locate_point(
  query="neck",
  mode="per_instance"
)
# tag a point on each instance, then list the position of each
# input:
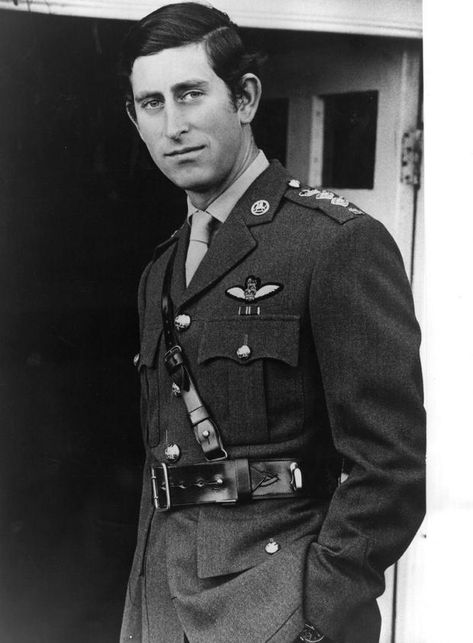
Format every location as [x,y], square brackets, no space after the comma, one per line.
[202,200]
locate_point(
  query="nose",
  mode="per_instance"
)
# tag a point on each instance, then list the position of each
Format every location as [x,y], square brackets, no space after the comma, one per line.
[175,123]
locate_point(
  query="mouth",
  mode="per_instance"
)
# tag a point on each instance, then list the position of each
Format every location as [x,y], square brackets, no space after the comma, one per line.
[183,151]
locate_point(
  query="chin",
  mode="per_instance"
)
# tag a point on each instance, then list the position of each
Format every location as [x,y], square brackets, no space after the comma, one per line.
[194,180]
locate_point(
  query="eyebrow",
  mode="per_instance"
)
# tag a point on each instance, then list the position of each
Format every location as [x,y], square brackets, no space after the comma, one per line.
[192,83]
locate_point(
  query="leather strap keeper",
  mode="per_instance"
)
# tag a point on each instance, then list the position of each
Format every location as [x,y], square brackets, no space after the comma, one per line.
[227,482]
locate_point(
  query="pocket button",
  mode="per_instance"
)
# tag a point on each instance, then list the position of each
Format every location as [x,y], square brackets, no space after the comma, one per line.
[182,322]
[272,546]
[243,353]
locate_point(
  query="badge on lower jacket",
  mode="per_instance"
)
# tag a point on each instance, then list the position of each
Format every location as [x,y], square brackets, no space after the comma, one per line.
[253,291]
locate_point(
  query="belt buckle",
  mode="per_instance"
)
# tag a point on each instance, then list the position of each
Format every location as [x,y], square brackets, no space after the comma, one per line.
[155,488]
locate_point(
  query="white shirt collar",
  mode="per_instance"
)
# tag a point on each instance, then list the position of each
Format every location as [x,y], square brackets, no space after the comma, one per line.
[221,207]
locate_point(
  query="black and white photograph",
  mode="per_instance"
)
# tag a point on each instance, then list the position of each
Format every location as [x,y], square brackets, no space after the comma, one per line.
[233,322]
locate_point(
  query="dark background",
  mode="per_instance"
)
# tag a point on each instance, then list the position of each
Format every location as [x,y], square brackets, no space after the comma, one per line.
[81,209]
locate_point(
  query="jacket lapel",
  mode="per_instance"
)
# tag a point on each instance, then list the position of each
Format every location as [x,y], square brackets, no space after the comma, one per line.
[234,240]
[232,243]
[179,271]
[154,283]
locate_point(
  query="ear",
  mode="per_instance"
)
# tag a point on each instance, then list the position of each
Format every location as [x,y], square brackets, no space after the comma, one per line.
[130,110]
[248,101]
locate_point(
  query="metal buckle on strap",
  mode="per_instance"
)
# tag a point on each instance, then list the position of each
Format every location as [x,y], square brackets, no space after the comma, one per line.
[174,362]
[173,359]
[206,434]
[155,488]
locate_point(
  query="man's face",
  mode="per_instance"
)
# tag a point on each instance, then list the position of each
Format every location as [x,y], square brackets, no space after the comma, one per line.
[185,115]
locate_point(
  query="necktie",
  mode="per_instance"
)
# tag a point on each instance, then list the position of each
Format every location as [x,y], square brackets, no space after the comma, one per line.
[198,242]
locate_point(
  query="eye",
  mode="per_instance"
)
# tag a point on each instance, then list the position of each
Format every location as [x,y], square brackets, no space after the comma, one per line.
[192,95]
[152,104]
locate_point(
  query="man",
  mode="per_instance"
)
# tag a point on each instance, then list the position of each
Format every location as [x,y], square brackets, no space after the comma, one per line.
[281,388]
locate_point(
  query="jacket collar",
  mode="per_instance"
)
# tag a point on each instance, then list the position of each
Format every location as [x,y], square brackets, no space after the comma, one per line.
[234,240]
[266,192]
[221,207]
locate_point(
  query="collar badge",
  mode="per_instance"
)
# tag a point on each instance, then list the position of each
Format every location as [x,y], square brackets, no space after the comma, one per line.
[259,207]
[253,291]
[294,183]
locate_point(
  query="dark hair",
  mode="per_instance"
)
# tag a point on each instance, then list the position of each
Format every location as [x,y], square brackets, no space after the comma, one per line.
[185,23]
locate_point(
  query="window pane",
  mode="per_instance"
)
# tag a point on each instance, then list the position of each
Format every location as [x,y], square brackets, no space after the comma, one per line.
[270,127]
[349,139]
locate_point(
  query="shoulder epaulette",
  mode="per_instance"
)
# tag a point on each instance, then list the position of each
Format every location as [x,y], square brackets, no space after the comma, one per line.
[334,206]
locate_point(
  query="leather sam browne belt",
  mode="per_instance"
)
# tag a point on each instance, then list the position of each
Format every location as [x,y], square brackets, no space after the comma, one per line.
[226,482]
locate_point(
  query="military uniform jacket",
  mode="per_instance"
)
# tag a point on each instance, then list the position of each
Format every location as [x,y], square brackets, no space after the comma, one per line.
[333,378]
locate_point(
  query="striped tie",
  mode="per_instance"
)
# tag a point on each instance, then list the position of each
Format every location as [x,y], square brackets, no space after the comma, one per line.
[198,242]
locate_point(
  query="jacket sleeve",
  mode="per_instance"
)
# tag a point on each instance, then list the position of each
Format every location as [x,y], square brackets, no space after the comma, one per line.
[146,500]
[367,342]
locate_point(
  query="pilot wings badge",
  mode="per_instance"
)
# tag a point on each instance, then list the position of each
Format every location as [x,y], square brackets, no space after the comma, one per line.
[253,290]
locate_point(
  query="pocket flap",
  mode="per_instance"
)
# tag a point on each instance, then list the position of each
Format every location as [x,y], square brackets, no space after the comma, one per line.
[232,539]
[266,337]
[226,545]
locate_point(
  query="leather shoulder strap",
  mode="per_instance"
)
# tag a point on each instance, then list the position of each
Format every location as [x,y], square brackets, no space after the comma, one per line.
[205,430]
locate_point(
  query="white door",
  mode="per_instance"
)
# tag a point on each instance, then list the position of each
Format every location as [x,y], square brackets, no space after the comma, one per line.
[324,77]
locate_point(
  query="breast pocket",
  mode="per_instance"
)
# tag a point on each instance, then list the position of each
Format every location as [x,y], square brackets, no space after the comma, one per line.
[248,373]
[147,367]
